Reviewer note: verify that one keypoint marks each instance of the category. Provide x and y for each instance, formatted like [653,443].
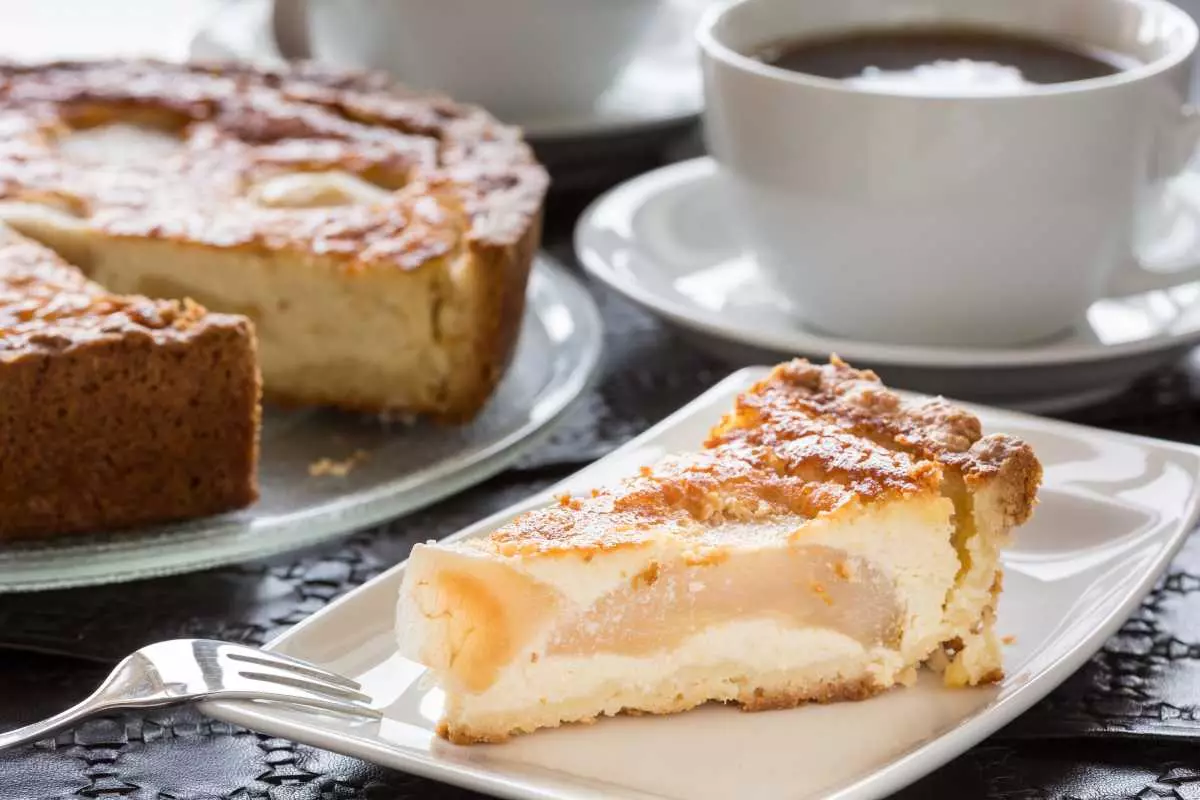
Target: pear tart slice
[116,410]
[827,540]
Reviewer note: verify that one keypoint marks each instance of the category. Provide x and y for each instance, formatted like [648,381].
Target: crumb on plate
[323,467]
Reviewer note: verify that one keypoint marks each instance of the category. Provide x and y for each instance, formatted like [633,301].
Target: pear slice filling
[801,587]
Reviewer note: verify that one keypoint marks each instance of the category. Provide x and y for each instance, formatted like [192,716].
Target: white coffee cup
[957,219]
[518,58]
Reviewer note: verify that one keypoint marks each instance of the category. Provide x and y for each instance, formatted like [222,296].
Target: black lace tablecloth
[1126,726]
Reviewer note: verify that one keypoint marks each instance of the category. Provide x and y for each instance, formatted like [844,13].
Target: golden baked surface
[808,440]
[210,153]
[48,304]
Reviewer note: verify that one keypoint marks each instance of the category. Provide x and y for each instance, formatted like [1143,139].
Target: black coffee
[943,59]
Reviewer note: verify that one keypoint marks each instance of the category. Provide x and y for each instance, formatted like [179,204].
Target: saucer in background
[659,91]
[666,241]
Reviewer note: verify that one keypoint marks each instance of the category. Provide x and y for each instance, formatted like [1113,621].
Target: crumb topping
[806,441]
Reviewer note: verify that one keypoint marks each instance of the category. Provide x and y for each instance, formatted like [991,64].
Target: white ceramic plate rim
[897,774]
[611,114]
[108,563]
[598,259]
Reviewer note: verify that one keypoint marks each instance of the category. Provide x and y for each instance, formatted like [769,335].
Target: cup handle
[289,25]
[1137,276]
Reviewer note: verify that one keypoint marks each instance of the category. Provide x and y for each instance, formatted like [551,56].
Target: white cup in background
[515,57]
[954,220]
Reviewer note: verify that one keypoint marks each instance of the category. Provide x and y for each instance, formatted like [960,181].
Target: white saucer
[665,240]
[660,87]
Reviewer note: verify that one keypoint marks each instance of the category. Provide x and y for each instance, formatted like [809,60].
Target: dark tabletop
[1122,727]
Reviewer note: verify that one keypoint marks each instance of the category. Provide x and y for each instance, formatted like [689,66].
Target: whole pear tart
[364,246]
[379,240]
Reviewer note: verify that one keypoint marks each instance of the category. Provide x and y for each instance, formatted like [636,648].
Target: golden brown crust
[845,691]
[932,429]
[505,268]
[751,699]
[47,305]
[799,395]
[805,441]
[1010,464]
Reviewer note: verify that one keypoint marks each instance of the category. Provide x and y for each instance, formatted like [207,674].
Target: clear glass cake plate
[324,473]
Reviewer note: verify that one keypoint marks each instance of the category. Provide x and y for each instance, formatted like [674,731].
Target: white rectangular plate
[1114,508]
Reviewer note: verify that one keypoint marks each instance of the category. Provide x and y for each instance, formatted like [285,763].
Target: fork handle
[42,730]
[123,689]
[72,716]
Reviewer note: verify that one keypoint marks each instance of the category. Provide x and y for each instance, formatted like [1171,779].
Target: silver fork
[187,670]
